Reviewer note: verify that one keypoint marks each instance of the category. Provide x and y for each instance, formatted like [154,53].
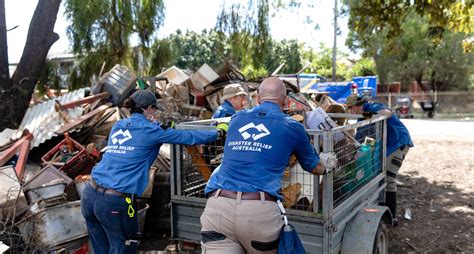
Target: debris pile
[45,164]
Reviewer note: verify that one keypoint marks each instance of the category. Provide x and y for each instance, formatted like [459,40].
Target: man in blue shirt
[234,98]
[398,143]
[122,174]
[241,214]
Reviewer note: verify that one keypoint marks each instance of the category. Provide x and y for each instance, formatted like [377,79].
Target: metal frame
[332,221]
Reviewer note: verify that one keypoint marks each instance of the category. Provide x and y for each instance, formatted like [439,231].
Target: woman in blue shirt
[122,174]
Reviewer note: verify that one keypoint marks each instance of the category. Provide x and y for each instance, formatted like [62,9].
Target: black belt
[245,195]
[108,191]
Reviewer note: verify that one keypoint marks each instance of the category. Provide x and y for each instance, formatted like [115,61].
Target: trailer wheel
[381,240]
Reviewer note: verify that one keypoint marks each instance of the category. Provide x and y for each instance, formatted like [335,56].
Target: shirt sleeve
[304,150]
[373,107]
[185,137]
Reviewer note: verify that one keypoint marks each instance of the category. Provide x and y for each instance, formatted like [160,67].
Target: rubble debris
[42,120]
[49,182]
[70,157]
[83,119]
[80,182]
[12,199]
[203,76]
[407,214]
[119,82]
[50,226]
[22,147]
[51,193]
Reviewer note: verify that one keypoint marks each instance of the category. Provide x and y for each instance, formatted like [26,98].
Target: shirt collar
[138,116]
[228,104]
[270,106]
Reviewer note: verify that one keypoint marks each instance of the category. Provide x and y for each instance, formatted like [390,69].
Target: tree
[322,63]
[188,50]
[248,33]
[387,17]
[404,38]
[101,31]
[16,92]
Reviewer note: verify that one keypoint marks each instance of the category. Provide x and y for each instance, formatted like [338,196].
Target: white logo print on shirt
[262,131]
[125,136]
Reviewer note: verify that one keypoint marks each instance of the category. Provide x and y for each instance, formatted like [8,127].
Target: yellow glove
[222,129]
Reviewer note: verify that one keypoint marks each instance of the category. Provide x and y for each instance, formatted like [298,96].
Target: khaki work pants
[394,162]
[240,226]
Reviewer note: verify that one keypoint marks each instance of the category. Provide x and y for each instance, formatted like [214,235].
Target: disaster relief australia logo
[118,138]
[250,134]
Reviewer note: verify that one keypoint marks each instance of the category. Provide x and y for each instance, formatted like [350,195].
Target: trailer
[339,212]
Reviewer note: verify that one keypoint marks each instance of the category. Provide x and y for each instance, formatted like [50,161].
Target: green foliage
[363,67]
[190,50]
[247,30]
[284,52]
[187,50]
[100,31]
[420,41]
[321,63]
[49,77]
[387,17]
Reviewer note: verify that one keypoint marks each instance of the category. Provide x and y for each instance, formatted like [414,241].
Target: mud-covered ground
[437,187]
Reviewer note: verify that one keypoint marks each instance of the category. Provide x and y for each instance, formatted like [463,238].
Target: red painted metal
[22,147]
[88,99]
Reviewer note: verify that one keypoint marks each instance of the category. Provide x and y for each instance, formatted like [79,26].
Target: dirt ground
[437,186]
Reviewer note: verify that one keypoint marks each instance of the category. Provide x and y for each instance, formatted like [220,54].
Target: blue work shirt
[259,144]
[397,133]
[224,110]
[132,147]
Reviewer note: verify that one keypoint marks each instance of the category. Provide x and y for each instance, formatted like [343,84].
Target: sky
[194,15]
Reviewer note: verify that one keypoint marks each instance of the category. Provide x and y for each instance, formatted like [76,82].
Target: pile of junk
[46,163]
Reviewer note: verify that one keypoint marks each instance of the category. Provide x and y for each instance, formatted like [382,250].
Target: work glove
[170,124]
[367,114]
[328,160]
[222,129]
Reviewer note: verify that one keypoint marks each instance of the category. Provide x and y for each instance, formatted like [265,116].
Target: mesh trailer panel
[359,148]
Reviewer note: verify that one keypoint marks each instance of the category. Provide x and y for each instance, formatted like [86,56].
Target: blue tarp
[339,91]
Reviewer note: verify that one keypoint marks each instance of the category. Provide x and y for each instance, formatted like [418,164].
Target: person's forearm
[318,170]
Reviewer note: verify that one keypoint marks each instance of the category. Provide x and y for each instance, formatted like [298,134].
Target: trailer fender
[360,232]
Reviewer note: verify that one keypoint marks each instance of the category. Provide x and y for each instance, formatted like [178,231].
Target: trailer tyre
[381,240]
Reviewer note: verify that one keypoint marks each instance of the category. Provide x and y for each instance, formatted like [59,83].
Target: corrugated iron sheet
[42,120]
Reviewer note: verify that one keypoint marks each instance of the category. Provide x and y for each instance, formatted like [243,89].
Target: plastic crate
[80,163]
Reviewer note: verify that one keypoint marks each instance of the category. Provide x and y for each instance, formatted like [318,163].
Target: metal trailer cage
[320,207]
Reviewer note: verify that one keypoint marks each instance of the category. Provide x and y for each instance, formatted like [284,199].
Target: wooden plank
[88,99]
[83,118]
[199,161]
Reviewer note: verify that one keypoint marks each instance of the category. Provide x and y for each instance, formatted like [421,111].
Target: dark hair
[132,106]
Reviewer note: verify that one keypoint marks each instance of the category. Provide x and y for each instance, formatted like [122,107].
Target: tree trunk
[41,36]
[4,71]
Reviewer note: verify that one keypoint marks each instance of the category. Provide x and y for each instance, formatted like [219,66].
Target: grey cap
[144,99]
